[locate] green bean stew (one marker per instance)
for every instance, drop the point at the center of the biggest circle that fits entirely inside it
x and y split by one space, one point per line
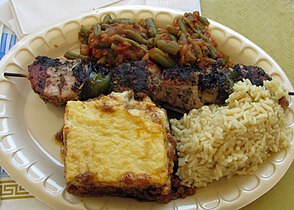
186 42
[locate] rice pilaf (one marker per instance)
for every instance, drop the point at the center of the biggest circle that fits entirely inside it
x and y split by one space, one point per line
222 141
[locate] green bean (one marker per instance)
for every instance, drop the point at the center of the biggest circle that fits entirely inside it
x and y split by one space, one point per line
204 20
160 57
144 35
186 14
123 20
160 52
173 38
102 60
83 49
111 55
142 23
84 30
190 57
205 50
169 47
200 35
151 42
102 45
186 20
113 46
105 26
196 49
83 35
151 28
71 55
96 29
172 30
83 40
182 37
157 37
212 51
107 18
210 60
182 25
226 59
119 38
161 36
135 36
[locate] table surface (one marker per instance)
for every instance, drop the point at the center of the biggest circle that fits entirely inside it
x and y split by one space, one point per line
270 25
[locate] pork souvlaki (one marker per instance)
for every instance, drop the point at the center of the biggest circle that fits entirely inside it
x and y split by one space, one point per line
59 80
179 66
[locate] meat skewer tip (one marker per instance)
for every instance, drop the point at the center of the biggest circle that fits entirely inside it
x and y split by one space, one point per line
10 74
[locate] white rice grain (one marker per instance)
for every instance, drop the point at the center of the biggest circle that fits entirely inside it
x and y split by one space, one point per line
215 142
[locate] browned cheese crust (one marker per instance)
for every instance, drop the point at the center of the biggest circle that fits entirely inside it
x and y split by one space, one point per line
149 185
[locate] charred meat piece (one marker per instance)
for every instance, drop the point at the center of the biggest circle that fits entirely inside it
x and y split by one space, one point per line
57 80
255 74
215 84
192 87
178 87
138 76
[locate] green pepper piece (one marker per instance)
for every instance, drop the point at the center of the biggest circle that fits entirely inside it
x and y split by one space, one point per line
95 85
234 75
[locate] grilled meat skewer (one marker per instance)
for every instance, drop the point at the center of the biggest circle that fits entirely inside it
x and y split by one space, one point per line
57 80
60 80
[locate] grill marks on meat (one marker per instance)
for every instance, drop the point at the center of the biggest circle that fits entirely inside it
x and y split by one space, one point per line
137 76
57 80
192 87
178 87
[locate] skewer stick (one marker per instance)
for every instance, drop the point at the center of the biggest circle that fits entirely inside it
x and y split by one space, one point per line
10 74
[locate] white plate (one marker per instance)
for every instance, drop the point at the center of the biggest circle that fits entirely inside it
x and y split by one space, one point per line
31 156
